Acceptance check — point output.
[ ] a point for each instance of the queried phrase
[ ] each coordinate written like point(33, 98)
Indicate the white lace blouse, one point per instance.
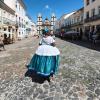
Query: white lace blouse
point(47, 41)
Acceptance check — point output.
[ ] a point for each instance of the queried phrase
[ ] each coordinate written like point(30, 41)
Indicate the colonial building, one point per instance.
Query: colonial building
point(7, 22)
point(39, 24)
point(63, 22)
point(86, 20)
point(10, 3)
point(28, 26)
point(91, 15)
point(53, 20)
point(20, 19)
point(77, 20)
point(45, 24)
point(14, 23)
point(23, 22)
point(31, 29)
point(57, 26)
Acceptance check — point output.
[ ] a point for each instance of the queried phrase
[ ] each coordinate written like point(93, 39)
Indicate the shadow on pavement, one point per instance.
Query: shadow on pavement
point(36, 77)
point(86, 44)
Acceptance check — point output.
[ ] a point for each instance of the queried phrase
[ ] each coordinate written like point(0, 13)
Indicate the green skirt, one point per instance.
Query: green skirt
point(44, 65)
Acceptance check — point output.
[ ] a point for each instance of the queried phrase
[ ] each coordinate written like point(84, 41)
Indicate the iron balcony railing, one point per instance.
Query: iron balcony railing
point(8, 21)
point(19, 24)
point(66, 26)
point(77, 23)
point(74, 24)
point(93, 18)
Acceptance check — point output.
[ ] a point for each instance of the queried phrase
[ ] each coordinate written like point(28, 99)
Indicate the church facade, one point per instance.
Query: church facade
point(42, 24)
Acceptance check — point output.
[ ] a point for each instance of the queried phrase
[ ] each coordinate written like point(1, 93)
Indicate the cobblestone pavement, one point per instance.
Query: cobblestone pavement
point(78, 77)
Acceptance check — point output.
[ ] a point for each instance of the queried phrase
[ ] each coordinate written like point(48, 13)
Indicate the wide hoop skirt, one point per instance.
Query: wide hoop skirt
point(45, 61)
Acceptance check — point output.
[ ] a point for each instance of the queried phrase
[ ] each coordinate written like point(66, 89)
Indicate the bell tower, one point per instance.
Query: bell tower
point(39, 23)
point(53, 19)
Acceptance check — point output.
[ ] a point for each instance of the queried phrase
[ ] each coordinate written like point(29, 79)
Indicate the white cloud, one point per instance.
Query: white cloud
point(47, 6)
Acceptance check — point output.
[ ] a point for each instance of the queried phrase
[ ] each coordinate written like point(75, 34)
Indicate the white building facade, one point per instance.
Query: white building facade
point(23, 22)
point(7, 24)
point(62, 22)
point(31, 29)
point(20, 19)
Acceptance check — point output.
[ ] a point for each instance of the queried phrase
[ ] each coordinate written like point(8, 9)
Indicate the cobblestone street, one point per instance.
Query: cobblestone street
point(78, 77)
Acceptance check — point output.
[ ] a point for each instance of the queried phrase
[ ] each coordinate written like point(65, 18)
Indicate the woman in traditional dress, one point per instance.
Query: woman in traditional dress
point(46, 59)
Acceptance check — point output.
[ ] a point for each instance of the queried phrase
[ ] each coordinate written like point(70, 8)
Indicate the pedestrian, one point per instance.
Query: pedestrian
point(1, 42)
point(90, 35)
point(81, 34)
point(45, 61)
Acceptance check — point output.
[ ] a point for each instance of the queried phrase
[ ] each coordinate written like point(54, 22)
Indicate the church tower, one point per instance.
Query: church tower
point(42, 24)
point(39, 24)
point(53, 19)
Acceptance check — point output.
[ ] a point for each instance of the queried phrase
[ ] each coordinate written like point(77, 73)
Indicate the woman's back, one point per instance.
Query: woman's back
point(47, 40)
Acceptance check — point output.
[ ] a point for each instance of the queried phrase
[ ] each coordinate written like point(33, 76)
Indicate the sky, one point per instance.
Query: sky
point(47, 7)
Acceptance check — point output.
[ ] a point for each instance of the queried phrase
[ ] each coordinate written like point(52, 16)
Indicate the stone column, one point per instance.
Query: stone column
point(7, 32)
point(10, 33)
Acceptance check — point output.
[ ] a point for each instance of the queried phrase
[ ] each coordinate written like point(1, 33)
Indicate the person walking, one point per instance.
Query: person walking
point(45, 61)
point(1, 42)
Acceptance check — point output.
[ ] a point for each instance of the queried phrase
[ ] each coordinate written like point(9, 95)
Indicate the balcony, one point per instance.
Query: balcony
point(66, 26)
point(19, 24)
point(94, 18)
point(77, 23)
point(8, 21)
